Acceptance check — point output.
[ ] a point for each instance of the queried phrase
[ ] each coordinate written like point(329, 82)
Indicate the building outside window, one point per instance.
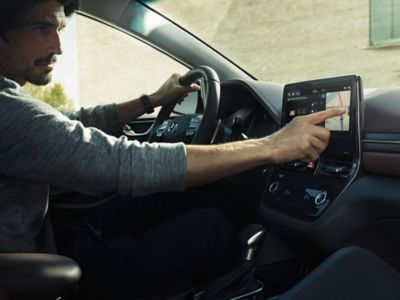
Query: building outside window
point(384, 22)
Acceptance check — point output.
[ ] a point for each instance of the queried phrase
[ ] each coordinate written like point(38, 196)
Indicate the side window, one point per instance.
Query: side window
point(384, 22)
point(103, 65)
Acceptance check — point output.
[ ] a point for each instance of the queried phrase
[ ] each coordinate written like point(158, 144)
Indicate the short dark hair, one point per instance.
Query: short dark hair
point(13, 11)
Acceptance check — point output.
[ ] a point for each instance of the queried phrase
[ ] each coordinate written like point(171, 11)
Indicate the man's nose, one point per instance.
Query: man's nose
point(56, 43)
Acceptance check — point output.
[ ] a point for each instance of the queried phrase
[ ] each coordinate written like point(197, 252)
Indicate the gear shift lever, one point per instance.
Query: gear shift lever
point(240, 280)
point(250, 239)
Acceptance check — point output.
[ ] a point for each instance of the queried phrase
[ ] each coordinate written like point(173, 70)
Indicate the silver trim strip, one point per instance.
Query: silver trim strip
point(132, 132)
point(360, 99)
point(381, 142)
point(215, 132)
point(249, 293)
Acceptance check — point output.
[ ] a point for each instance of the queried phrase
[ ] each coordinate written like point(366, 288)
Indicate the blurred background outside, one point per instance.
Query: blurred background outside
point(276, 40)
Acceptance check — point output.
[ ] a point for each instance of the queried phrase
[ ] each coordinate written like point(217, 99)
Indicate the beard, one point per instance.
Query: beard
point(39, 75)
point(39, 79)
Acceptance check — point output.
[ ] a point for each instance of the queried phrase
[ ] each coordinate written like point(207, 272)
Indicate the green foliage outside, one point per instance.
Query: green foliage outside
point(53, 95)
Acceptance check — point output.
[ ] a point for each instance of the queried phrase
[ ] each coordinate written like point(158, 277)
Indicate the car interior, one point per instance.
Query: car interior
point(321, 230)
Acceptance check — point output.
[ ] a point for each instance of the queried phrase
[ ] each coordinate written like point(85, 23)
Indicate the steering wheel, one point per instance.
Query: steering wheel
point(193, 128)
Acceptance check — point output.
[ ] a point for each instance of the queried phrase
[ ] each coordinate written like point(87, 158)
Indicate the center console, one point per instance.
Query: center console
point(304, 189)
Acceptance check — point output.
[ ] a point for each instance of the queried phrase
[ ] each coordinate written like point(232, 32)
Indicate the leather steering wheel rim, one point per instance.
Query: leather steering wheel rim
point(212, 90)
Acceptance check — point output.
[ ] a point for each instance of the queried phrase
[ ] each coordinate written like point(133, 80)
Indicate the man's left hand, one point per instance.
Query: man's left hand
point(171, 91)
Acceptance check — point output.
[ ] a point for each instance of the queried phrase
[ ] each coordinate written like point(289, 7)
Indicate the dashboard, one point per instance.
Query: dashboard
point(350, 196)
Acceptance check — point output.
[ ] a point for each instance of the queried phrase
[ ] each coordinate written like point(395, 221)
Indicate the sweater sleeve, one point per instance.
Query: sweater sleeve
point(103, 117)
point(39, 143)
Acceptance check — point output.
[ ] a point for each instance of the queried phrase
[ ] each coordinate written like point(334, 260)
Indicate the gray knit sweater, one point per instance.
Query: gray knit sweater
point(40, 147)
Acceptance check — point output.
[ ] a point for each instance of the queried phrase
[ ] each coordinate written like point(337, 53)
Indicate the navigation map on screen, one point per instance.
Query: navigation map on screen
point(338, 99)
point(304, 103)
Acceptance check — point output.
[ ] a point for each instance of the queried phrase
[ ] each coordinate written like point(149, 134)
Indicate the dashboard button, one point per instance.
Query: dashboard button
point(296, 165)
point(273, 187)
point(321, 198)
point(337, 169)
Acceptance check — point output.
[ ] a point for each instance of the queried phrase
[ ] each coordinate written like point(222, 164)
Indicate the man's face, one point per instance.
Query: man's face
point(29, 52)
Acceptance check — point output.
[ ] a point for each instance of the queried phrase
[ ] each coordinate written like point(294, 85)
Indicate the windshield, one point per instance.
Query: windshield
point(290, 41)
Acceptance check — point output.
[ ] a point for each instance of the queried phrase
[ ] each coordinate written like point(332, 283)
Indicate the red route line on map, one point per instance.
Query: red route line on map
point(340, 99)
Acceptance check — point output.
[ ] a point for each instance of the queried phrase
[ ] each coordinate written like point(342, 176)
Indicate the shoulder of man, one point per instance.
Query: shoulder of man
point(16, 101)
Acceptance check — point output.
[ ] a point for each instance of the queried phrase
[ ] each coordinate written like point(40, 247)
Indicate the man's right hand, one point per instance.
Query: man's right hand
point(302, 139)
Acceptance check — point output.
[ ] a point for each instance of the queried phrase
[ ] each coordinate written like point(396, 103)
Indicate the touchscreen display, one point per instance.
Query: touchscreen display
point(304, 102)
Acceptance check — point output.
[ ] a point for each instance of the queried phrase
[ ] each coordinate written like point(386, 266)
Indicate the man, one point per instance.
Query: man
point(41, 147)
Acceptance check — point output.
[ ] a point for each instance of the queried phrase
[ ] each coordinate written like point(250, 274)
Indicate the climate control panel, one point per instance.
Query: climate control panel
point(304, 193)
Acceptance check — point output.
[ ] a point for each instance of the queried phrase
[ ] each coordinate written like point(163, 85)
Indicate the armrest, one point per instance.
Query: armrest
point(349, 273)
point(37, 276)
